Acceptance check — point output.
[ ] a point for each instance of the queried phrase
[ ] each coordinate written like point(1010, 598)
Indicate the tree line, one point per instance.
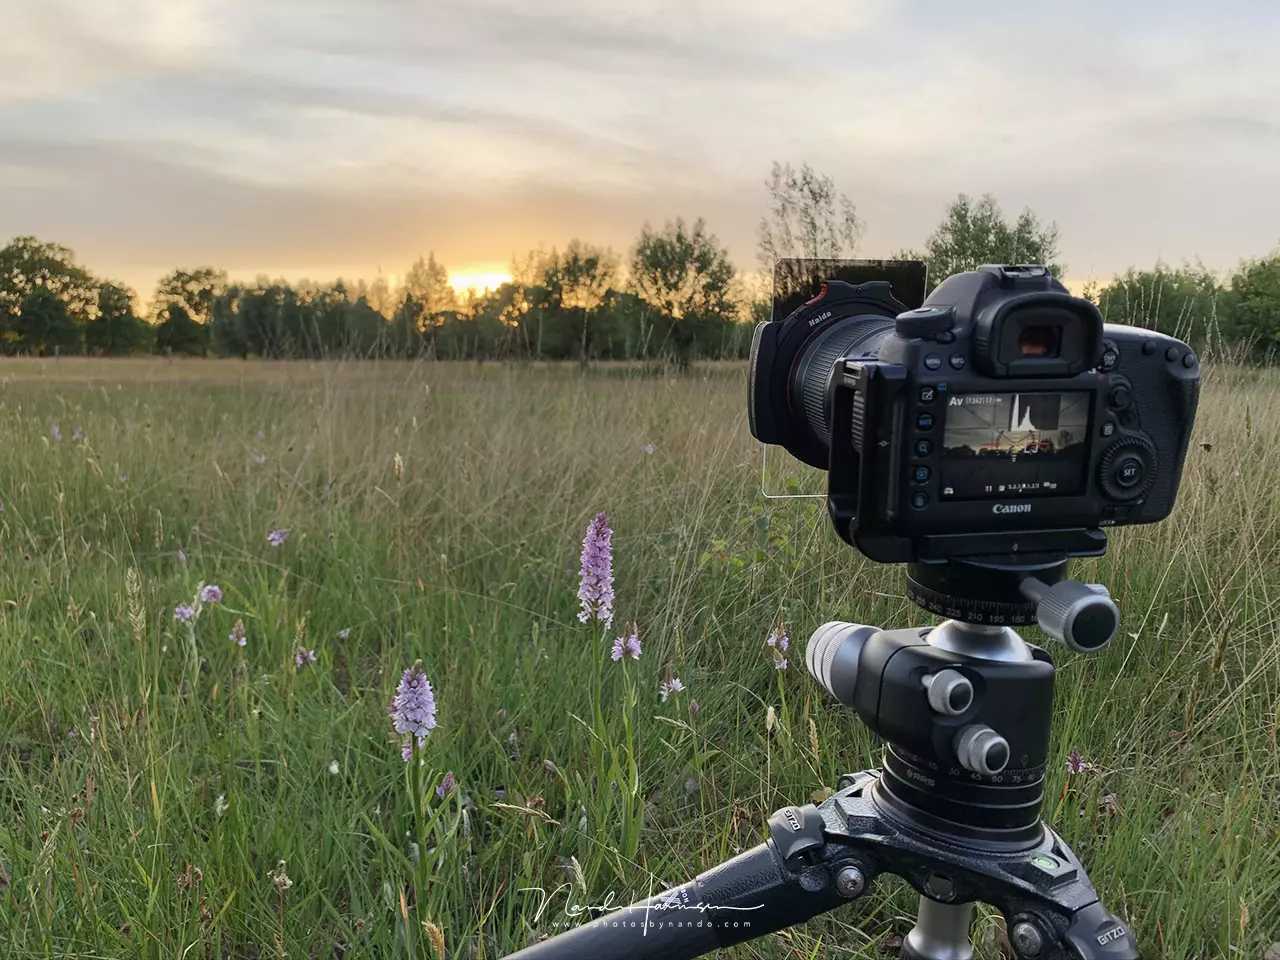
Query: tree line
point(675, 296)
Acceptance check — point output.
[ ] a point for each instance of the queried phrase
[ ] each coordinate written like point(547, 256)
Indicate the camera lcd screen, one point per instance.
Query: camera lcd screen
point(1014, 444)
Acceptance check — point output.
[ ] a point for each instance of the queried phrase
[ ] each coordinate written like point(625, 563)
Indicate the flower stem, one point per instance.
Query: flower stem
point(1061, 800)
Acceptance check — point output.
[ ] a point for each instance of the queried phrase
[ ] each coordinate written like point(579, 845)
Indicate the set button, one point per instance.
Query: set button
point(1129, 472)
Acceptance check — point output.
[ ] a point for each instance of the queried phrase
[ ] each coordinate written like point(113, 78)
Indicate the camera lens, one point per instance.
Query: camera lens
point(811, 376)
point(793, 362)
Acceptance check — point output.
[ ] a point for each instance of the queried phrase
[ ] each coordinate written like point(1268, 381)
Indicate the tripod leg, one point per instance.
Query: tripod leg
point(941, 932)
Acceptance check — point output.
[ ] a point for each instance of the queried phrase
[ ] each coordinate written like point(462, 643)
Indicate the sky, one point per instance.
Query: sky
point(325, 138)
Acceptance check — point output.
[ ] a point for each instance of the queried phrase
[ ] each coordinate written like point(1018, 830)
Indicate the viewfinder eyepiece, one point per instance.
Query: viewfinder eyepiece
point(1038, 335)
point(1039, 341)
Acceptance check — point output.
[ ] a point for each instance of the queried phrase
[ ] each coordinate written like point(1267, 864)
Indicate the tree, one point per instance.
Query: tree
point(258, 323)
point(44, 323)
point(407, 326)
point(194, 290)
point(28, 265)
point(180, 334)
point(380, 296)
point(808, 218)
point(425, 297)
point(573, 284)
point(363, 329)
point(325, 332)
point(685, 274)
point(227, 333)
point(1186, 303)
point(502, 316)
point(116, 330)
point(428, 282)
point(628, 324)
point(1255, 288)
point(973, 233)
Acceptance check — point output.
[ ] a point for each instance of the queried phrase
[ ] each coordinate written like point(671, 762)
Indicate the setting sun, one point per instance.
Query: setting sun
point(479, 282)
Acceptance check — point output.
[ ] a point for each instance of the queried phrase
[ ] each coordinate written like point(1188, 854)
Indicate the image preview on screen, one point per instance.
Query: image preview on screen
point(1014, 444)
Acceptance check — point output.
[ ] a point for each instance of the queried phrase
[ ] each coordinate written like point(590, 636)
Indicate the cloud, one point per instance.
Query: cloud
point(68, 47)
point(333, 135)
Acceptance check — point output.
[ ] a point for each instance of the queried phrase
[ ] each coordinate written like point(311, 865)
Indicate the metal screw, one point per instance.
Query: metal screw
point(850, 882)
point(940, 888)
point(1027, 939)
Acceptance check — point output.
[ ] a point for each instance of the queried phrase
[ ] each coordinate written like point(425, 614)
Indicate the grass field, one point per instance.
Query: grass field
point(153, 773)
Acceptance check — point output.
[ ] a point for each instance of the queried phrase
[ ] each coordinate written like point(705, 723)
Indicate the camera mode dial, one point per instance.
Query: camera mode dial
point(1128, 469)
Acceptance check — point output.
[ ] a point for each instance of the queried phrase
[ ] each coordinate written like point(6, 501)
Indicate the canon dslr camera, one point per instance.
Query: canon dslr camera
point(1002, 417)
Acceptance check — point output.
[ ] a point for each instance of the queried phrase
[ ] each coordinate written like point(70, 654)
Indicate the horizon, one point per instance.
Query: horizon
point(325, 141)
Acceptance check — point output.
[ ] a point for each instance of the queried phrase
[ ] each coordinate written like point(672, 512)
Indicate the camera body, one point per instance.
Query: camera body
point(1001, 418)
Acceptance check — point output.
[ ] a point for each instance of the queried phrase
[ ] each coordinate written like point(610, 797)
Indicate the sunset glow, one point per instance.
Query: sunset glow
point(478, 282)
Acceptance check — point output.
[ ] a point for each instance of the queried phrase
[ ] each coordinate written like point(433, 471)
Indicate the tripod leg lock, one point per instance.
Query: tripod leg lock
point(801, 837)
point(1091, 933)
point(797, 833)
point(1095, 933)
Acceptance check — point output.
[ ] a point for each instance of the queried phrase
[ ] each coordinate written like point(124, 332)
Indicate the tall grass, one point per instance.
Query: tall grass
point(147, 793)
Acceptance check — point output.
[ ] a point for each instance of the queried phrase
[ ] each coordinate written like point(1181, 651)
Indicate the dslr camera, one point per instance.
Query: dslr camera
point(1002, 418)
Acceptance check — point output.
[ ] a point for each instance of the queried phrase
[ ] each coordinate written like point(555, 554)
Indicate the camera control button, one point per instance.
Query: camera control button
point(1148, 347)
point(919, 499)
point(924, 448)
point(925, 322)
point(1189, 360)
point(1119, 397)
point(1110, 355)
point(925, 421)
point(957, 361)
point(920, 474)
point(932, 362)
point(1108, 428)
point(927, 394)
point(1172, 354)
point(946, 336)
point(1129, 471)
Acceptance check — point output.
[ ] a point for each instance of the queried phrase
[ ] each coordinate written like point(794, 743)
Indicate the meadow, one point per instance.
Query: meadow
point(154, 772)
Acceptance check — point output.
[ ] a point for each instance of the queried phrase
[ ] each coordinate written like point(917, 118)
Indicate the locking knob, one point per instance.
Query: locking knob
point(950, 692)
point(1081, 615)
point(981, 750)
